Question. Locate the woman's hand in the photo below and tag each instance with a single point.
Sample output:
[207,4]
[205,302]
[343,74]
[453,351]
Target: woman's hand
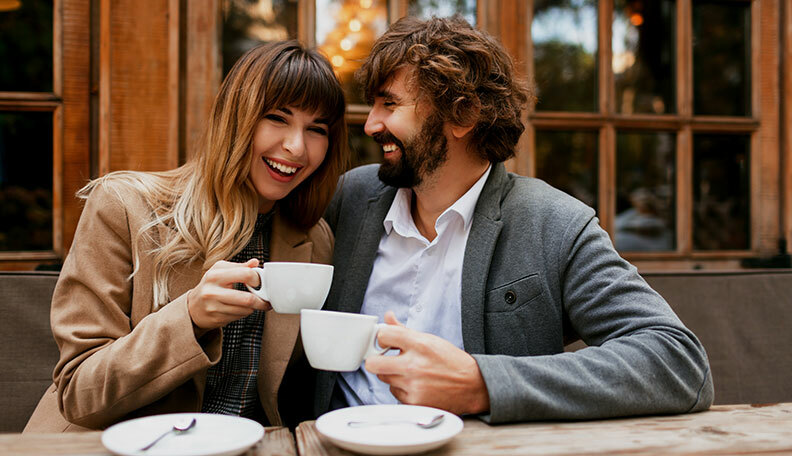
[214,302]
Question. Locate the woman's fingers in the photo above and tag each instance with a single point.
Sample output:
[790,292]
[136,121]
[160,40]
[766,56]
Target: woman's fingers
[227,276]
[214,302]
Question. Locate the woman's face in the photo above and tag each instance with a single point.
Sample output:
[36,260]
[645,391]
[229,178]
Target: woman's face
[288,145]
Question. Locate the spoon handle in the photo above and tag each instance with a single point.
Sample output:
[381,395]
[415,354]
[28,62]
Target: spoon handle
[156,440]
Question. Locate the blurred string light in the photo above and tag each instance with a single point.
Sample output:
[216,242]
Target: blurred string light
[11,5]
[348,30]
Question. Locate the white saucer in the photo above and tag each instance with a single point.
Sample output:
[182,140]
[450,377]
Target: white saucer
[213,435]
[398,438]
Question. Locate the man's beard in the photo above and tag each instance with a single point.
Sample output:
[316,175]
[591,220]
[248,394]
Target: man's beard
[419,158]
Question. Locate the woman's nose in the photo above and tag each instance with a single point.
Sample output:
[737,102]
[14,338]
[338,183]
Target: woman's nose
[294,142]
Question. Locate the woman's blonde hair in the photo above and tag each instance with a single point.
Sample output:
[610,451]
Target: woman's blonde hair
[209,205]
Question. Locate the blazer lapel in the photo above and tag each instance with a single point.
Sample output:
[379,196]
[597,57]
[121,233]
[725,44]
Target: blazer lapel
[480,246]
[364,252]
[279,335]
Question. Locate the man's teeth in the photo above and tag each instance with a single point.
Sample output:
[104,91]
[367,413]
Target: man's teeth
[389,147]
[281,167]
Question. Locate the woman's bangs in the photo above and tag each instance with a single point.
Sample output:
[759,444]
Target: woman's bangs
[304,84]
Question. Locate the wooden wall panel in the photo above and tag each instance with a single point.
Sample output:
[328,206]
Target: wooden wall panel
[786,126]
[76,116]
[765,222]
[137,85]
[203,69]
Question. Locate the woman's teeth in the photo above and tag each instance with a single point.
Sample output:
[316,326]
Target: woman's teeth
[281,167]
[389,147]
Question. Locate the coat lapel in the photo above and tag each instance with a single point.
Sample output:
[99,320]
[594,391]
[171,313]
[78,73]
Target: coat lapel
[365,251]
[480,246]
[279,335]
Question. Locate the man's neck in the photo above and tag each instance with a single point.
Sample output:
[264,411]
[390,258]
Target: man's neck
[446,185]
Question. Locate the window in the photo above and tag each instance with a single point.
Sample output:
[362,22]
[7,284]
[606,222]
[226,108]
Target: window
[649,112]
[30,106]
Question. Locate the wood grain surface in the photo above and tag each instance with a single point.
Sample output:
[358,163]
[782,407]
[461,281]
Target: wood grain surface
[277,441]
[728,429]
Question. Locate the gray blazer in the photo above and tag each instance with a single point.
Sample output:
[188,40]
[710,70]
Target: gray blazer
[538,272]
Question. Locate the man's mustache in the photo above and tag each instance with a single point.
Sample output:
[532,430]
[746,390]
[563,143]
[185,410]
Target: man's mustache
[387,138]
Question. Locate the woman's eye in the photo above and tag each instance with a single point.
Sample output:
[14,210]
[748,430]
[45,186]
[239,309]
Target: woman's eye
[275,118]
[320,130]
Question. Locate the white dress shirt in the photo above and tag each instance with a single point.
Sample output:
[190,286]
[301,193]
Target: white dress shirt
[420,281]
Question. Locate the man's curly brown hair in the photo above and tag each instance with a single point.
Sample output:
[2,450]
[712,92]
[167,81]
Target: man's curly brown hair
[464,74]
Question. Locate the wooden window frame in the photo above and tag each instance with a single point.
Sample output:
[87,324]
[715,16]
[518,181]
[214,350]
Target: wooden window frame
[770,144]
[766,155]
[52,102]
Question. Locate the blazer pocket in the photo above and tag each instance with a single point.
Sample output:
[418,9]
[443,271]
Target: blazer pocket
[514,295]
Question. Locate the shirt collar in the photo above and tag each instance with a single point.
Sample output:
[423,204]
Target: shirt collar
[400,217]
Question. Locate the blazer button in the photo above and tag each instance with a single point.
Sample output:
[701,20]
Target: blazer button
[510,297]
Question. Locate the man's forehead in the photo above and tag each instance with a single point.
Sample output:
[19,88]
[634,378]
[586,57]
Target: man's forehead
[397,85]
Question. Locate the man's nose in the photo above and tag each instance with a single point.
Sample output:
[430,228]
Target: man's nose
[374,122]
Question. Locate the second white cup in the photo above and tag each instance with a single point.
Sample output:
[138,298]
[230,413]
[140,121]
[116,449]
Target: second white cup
[338,341]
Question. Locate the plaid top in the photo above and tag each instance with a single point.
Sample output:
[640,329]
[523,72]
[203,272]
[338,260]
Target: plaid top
[231,383]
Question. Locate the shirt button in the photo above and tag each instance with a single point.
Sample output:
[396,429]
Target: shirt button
[418,308]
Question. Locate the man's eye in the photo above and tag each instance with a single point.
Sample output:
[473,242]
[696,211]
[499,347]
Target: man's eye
[389,104]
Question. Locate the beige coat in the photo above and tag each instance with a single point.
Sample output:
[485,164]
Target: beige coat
[118,359]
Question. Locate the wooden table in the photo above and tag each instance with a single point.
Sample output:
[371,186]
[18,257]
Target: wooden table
[277,441]
[725,429]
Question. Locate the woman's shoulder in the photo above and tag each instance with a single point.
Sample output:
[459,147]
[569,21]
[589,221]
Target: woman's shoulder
[122,192]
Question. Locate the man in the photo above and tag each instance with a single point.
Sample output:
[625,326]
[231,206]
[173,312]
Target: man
[483,275]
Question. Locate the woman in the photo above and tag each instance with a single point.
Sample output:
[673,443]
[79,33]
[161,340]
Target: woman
[155,273]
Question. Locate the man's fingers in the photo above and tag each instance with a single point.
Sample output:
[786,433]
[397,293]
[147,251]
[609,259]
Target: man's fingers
[393,336]
[384,365]
[390,319]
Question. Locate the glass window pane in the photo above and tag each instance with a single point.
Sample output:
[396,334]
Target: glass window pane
[645,196]
[721,58]
[564,36]
[345,32]
[248,23]
[643,56]
[25,181]
[721,209]
[568,160]
[364,149]
[443,8]
[26,46]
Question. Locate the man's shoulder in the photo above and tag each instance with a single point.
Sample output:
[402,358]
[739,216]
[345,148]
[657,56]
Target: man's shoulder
[540,198]
[362,181]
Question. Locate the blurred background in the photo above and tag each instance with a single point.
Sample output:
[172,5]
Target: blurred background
[671,118]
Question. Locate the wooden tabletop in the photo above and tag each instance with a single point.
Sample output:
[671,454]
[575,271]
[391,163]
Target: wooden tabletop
[723,429]
[277,441]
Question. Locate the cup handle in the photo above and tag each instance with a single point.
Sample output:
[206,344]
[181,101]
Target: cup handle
[373,348]
[261,292]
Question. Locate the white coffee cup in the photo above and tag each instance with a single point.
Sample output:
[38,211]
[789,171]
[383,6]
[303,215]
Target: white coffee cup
[291,287]
[338,341]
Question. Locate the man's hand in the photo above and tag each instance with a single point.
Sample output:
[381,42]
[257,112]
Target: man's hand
[429,370]
[214,302]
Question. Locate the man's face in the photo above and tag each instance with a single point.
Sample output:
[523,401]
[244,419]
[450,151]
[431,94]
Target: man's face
[411,137]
